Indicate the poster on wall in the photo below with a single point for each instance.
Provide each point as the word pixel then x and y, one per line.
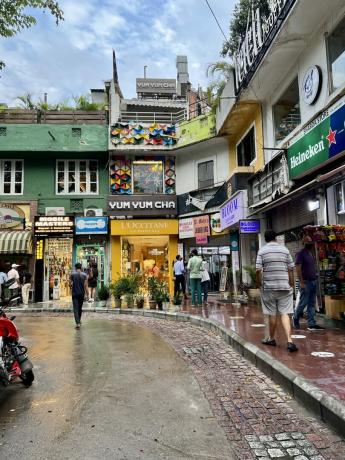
pixel 202 229
pixel 186 228
pixel 11 216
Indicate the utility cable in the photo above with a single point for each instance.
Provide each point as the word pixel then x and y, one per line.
pixel 215 18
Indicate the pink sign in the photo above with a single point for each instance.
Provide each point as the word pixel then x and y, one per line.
pixel 202 229
pixel 201 240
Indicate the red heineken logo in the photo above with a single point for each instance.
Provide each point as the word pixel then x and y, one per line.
pixel 331 137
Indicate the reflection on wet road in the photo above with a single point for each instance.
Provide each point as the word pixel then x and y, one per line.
pixel 111 390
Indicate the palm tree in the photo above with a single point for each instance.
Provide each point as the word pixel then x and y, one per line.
pixel 27 101
pixel 223 70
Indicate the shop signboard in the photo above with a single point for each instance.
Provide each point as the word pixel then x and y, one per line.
pixel 186 228
pixel 54 226
pixel 91 225
pixel 11 216
pixel 156 85
pixel 137 227
pixel 202 229
pixel 320 141
pixel 250 226
pixel 142 205
pixel 233 210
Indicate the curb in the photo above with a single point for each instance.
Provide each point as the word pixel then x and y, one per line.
pixel 328 408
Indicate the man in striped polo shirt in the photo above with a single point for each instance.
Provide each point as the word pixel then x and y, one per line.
pixel 274 275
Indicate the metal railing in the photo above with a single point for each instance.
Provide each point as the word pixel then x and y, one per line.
pixel 154 117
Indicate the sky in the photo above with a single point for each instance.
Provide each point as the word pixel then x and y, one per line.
pixel 69 59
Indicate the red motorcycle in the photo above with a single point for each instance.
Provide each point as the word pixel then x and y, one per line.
pixel 14 361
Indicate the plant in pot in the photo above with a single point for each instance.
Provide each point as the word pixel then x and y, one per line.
pixel 161 294
pixel 152 286
pixel 129 298
pixel 116 288
pixel 131 284
pixel 103 295
pixel 139 299
pixel 253 292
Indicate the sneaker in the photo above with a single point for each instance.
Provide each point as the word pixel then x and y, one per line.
pixel 315 328
pixel 77 326
pixel 271 342
pixel 295 323
pixel 291 347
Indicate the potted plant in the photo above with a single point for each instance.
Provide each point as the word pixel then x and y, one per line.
pixel 103 295
pixel 129 298
pixel 116 288
pixel 130 287
pixel 152 285
pixel 253 292
pixel 161 294
pixel 139 299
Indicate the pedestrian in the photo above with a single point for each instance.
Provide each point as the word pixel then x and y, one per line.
pixel 25 281
pixel 78 283
pixel 3 279
pixel 92 275
pixel 179 277
pixel 274 275
pixel 205 279
pixel 13 274
pixel 306 273
pixel 195 274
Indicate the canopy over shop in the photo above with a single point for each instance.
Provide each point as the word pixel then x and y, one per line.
pixel 15 247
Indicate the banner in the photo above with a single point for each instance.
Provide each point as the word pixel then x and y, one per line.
pixel 202 229
pixel 186 228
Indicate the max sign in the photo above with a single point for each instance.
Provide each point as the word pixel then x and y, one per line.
pixel 233 211
pixel 142 205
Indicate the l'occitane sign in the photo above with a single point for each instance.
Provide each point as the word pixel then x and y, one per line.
pixel 144 227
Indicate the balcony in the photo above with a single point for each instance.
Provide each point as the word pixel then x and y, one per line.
pixel 196 130
pixel 170 117
pixel 53 117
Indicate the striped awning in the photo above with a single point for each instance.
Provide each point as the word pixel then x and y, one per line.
pixel 15 242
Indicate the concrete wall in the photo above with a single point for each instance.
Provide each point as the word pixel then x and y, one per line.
pixel 198 129
pixel 34 138
pixel 187 160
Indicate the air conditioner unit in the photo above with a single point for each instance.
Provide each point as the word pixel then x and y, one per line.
pixel 93 212
pixel 55 211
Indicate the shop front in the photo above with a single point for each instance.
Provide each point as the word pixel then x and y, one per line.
pixel 54 257
pixel 146 246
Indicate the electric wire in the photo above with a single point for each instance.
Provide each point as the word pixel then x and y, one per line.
pixel 215 18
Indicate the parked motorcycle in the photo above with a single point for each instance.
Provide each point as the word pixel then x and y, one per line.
pixel 14 361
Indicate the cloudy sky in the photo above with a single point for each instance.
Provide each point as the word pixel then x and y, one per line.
pixel 70 59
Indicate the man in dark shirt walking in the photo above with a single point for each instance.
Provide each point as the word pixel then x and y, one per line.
pixel 78 282
pixel 306 273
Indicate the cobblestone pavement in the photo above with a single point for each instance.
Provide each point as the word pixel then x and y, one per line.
pixel 260 419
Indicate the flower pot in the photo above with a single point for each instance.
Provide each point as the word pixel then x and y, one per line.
pixel 140 303
pixel 130 303
pixel 152 304
pixel 160 304
pixel 102 303
pixel 118 303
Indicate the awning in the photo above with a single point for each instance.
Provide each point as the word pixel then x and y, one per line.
pixel 15 242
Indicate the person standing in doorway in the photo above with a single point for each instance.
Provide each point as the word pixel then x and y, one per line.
pixel 195 274
pixel 92 275
pixel 25 281
pixel 179 279
pixel 205 279
pixel 306 273
pixel 13 274
pixel 78 283
pixel 274 275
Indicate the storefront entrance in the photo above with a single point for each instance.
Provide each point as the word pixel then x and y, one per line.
pixel 217 257
pixel 57 268
pixel 95 254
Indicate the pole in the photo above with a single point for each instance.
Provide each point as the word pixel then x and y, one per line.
pixel 145 69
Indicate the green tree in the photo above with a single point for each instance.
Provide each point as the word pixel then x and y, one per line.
pixel 239 21
pixel 220 73
pixel 14 16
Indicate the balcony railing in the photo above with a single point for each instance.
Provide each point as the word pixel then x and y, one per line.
pixel 53 117
pixel 171 118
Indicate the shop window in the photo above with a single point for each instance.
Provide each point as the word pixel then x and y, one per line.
pixel 246 149
pixel 148 177
pixel 76 177
pixel 286 112
pixel 206 174
pixel 340 198
pixel 336 55
pixel 11 177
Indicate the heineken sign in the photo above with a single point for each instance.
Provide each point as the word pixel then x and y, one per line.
pixel 321 141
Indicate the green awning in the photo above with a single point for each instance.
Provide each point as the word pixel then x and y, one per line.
pixel 15 242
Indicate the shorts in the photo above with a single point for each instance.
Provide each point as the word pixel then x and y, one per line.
pixel 92 283
pixel 277 302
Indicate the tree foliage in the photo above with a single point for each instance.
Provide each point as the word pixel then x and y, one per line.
pixel 220 73
pixel 15 16
pixel 239 21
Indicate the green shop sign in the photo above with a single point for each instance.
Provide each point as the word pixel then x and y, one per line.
pixel 322 140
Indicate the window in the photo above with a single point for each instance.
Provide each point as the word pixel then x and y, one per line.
pixel 246 149
pixel 205 174
pixel 336 55
pixel 76 177
pixel 11 177
pixel 148 177
pixel 286 112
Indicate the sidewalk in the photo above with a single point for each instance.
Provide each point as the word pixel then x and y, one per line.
pixel 327 373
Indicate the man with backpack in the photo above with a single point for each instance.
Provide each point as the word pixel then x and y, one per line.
pixel 78 283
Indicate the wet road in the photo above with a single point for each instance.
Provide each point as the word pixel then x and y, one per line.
pixel 111 390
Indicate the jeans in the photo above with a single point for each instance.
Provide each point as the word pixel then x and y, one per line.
pixel 180 285
pixel 78 307
pixel 204 288
pixel 307 299
pixel 195 288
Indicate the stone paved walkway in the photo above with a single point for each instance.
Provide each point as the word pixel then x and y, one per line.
pixel 260 419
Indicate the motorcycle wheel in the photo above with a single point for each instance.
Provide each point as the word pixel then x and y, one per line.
pixel 27 378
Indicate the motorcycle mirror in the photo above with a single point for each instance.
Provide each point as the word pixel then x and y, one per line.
pixel 12 318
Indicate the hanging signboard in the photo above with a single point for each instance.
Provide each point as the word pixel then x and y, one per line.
pixel 260 33
pixel 54 226
pixel 250 226
pixel 320 141
pixel 186 228
pixel 91 225
pixel 233 210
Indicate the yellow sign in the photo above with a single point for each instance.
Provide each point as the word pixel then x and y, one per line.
pixel 144 227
